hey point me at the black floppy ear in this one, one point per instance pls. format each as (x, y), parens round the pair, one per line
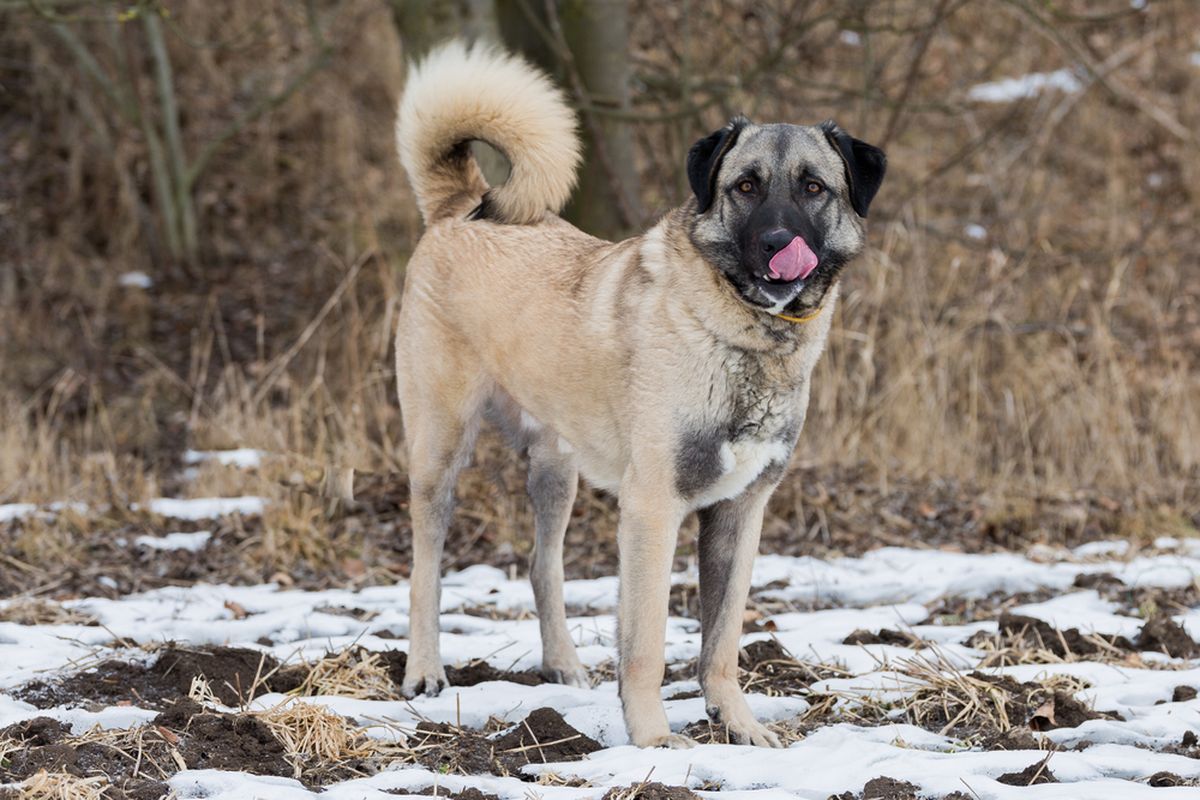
(865, 165)
(704, 160)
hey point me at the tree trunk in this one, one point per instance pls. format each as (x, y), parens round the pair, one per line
(606, 203)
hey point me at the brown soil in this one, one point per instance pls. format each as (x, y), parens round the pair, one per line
(1034, 774)
(1164, 635)
(650, 791)
(233, 742)
(47, 744)
(470, 674)
(231, 673)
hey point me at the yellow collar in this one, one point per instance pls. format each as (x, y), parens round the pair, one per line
(805, 318)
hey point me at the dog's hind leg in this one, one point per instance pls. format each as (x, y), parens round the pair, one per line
(441, 417)
(553, 481)
(729, 534)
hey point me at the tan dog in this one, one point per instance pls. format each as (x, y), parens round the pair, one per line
(672, 368)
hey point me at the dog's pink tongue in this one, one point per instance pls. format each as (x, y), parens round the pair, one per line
(796, 260)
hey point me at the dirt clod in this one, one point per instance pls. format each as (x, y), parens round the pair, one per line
(448, 750)
(542, 737)
(1164, 635)
(1166, 779)
(475, 672)
(1035, 634)
(884, 636)
(1182, 694)
(1034, 774)
(889, 789)
(650, 791)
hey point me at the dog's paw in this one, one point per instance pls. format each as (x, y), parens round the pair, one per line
(672, 741)
(576, 677)
(427, 682)
(743, 728)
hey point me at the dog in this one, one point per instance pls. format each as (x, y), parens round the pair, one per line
(672, 368)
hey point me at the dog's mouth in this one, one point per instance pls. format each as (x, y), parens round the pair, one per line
(795, 262)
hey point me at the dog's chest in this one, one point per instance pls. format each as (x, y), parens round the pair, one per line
(745, 431)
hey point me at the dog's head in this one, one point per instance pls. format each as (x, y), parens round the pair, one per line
(779, 208)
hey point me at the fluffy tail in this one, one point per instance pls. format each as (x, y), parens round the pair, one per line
(459, 93)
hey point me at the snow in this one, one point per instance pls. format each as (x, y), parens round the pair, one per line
(206, 507)
(192, 542)
(851, 38)
(244, 457)
(135, 280)
(197, 508)
(1196, 59)
(975, 231)
(1024, 87)
(11, 511)
(888, 588)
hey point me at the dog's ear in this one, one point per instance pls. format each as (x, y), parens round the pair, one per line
(865, 165)
(704, 160)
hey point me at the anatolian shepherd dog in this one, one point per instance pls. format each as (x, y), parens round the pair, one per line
(672, 368)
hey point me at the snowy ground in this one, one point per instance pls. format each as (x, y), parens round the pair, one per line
(808, 606)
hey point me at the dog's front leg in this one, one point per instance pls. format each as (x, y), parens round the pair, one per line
(729, 533)
(646, 536)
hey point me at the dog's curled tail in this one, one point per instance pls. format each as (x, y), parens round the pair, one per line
(459, 93)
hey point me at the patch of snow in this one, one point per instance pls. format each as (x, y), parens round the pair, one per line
(192, 542)
(1110, 547)
(135, 280)
(1024, 87)
(851, 38)
(205, 507)
(11, 511)
(975, 231)
(888, 588)
(244, 457)
(1196, 59)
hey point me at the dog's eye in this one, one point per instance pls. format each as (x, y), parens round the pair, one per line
(812, 187)
(746, 187)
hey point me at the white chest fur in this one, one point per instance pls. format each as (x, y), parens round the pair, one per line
(741, 463)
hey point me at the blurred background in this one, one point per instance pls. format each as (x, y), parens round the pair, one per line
(204, 230)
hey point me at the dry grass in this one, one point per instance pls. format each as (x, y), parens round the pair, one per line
(62, 786)
(354, 672)
(1057, 352)
(313, 733)
(37, 611)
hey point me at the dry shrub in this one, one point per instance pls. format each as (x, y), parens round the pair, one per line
(1056, 352)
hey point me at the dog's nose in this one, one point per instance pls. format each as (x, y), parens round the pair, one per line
(775, 240)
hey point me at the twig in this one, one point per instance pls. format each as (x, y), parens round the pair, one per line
(281, 362)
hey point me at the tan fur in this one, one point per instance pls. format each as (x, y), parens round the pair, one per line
(459, 93)
(598, 355)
